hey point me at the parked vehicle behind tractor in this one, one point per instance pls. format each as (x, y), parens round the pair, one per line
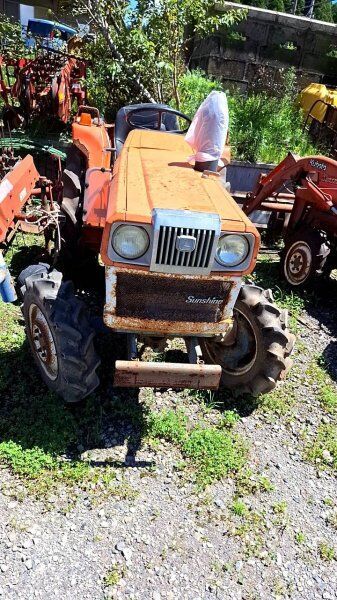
(301, 195)
(174, 247)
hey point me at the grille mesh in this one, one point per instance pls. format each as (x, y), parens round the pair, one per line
(168, 255)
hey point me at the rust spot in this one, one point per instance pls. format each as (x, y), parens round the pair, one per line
(155, 303)
(178, 375)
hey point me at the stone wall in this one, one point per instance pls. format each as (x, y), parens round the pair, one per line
(268, 41)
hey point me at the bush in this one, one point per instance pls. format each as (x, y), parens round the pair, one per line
(193, 88)
(262, 128)
(265, 129)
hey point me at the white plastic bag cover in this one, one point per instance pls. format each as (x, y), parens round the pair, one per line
(207, 133)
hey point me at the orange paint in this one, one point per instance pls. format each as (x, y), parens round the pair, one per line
(152, 172)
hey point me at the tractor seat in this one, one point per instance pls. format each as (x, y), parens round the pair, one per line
(149, 119)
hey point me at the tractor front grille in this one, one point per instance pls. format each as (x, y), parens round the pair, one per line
(184, 242)
(169, 255)
(161, 298)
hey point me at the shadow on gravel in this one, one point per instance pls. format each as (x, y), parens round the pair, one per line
(33, 417)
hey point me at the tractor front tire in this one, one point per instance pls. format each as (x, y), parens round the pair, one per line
(60, 336)
(303, 257)
(254, 355)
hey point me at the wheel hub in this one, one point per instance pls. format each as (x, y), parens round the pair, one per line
(237, 353)
(43, 341)
(298, 263)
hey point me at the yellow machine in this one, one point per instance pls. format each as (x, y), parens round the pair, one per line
(315, 100)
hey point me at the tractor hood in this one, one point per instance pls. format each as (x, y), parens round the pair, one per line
(153, 172)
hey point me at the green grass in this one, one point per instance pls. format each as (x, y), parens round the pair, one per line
(326, 552)
(212, 452)
(39, 434)
(43, 473)
(262, 127)
(327, 391)
(324, 442)
(168, 425)
(239, 508)
(247, 482)
(300, 537)
(113, 577)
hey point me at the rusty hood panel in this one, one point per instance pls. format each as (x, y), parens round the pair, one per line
(152, 172)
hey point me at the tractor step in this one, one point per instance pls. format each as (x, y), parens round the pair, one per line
(134, 373)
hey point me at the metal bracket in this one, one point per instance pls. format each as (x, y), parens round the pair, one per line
(193, 350)
(131, 341)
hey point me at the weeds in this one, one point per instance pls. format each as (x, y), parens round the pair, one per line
(324, 446)
(113, 577)
(239, 508)
(280, 401)
(43, 474)
(326, 552)
(212, 452)
(300, 537)
(262, 127)
(332, 519)
(248, 482)
(327, 392)
(280, 508)
(168, 425)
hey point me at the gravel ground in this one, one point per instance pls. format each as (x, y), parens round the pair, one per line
(168, 540)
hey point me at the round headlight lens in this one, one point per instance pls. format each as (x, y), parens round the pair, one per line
(130, 241)
(232, 250)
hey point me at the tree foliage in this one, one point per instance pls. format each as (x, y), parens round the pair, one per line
(141, 48)
(11, 42)
(323, 9)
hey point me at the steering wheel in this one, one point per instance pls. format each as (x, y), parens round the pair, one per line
(160, 112)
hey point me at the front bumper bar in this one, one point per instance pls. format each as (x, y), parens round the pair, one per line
(133, 373)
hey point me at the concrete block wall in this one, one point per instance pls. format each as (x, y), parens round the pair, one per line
(272, 40)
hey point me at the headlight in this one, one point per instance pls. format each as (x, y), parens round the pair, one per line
(130, 241)
(232, 250)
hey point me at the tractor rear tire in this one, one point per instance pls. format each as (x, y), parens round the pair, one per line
(303, 257)
(60, 336)
(255, 353)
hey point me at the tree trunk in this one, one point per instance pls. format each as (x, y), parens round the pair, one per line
(93, 8)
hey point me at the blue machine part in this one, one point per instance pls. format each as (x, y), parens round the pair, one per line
(44, 28)
(7, 290)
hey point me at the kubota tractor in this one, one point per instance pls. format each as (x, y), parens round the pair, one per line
(174, 247)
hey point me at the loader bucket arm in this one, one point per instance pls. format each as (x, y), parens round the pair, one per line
(318, 174)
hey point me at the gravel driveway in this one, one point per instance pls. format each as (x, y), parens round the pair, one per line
(267, 533)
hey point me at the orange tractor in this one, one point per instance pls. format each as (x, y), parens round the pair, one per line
(174, 247)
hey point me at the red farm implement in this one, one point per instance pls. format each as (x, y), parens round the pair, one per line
(300, 194)
(48, 80)
(46, 85)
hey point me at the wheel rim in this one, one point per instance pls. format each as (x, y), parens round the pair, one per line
(43, 342)
(236, 354)
(298, 263)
